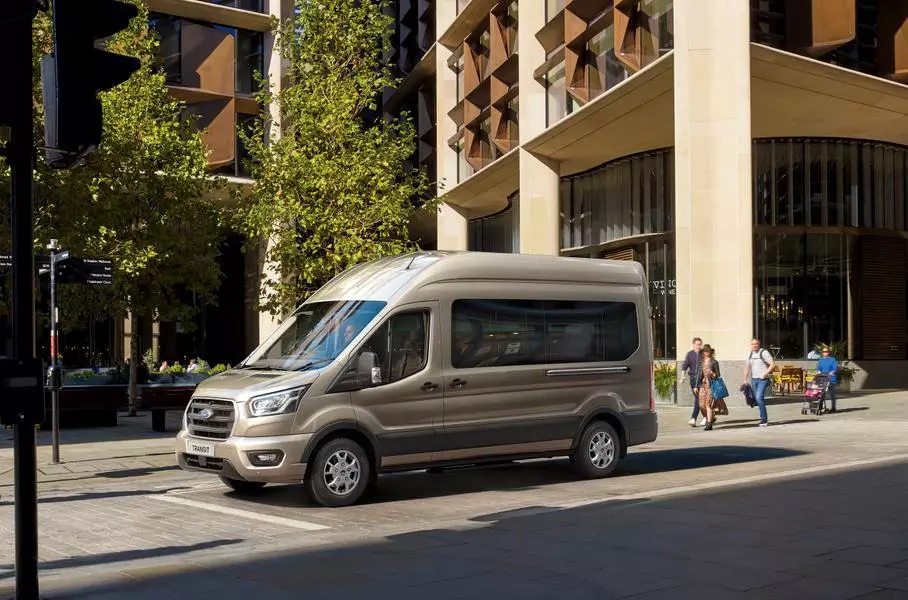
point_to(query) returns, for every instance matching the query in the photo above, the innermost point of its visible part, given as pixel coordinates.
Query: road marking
(697, 487)
(245, 514)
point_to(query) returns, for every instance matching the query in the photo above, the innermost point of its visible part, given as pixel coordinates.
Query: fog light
(266, 458)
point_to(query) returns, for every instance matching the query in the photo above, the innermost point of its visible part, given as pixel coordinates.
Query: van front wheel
(339, 474)
(598, 452)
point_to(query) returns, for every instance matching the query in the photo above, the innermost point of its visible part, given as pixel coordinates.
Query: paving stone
(870, 555)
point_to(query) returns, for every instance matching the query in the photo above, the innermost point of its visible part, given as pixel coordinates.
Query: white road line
(244, 514)
(657, 493)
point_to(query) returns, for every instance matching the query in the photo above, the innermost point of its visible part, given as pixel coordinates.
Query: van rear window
(491, 333)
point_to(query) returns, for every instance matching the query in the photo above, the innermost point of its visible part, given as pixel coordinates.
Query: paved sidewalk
(129, 447)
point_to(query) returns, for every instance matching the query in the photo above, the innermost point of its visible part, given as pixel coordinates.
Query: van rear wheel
(242, 487)
(598, 452)
(339, 474)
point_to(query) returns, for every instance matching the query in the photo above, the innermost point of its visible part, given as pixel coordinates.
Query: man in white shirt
(758, 374)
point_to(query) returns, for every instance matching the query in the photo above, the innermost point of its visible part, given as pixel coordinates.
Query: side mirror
(367, 370)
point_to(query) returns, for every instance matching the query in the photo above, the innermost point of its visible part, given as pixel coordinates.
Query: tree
(142, 199)
(332, 185)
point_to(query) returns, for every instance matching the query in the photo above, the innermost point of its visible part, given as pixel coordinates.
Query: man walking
(758, 374)
(691, 368)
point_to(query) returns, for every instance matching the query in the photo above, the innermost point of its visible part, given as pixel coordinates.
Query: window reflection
(497, 233)
(830, 182)
(802, 291)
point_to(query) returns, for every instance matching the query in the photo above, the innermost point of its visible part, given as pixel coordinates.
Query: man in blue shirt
(691, 368)
(828, 365)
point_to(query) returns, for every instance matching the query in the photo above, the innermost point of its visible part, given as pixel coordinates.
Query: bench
(160, 398)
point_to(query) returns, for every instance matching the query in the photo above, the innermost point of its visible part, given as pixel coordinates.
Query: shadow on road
(127, 555)
(77, 497)
(760, 542)
(516, 477)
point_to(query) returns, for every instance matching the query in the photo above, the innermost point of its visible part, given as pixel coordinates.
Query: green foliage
(142, 199)
(665, 375)
(176, 369)
(150, 359)
(218, 368)
(334, 188)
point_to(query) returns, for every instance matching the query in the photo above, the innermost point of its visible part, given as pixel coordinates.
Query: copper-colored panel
(627, 37)
(248, 105)
(470, 111)
(456, 114)
(817, 27)
(470, 69)
(893, 39)
(575, 74)
(588, 9)
(498, 89)
(504, 130)
(218, 119)
(574, 27)
(208, 59)
(552, 33)
(498, 43)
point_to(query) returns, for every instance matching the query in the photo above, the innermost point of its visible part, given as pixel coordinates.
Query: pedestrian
(758, 373)
(709, 370)
(828, 365)
(691, 368)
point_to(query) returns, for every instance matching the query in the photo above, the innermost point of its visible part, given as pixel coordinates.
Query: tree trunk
(133, 363)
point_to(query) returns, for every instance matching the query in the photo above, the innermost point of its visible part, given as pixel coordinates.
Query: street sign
(91, 271)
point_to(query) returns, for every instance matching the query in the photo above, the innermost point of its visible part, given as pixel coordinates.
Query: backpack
(760, 352)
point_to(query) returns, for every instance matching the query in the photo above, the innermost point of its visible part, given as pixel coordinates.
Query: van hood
(242, 384)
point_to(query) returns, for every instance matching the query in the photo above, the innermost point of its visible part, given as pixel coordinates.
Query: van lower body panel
(642, 427)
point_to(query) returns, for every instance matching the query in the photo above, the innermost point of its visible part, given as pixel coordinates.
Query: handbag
(718, 388)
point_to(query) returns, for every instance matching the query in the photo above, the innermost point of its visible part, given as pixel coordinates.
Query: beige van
(435, 359)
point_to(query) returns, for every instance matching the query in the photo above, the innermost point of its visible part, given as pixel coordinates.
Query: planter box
(92, 381)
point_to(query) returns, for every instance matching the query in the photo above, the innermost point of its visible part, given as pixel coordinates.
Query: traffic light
(77, 70)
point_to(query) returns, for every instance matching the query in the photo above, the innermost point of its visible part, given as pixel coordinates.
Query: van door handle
(458, 383)
(429, 386)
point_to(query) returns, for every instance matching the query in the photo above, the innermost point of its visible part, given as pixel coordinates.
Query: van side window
(400, 345)
(487, 333)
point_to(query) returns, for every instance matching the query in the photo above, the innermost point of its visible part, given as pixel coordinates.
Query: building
(751, 154)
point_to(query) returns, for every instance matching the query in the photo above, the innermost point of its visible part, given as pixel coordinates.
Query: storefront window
(802, 291)
(556, 95)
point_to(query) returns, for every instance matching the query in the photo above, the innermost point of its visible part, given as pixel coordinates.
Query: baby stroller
(815, 396)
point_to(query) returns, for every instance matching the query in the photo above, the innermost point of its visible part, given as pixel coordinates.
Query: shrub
(665, 375)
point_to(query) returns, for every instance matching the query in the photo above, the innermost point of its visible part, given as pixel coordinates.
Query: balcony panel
(817, 27)
(893, 40)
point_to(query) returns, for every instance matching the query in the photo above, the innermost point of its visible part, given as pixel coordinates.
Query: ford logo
(205, 414)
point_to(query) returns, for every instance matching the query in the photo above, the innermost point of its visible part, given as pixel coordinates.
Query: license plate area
(200, 448)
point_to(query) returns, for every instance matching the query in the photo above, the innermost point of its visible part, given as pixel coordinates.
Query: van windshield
(315, 335)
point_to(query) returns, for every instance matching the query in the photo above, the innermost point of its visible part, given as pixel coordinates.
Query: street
(807, 508)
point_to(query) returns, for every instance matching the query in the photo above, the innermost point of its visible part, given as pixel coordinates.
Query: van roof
(384, 278)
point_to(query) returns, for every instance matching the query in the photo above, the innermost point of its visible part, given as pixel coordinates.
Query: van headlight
(278, 403)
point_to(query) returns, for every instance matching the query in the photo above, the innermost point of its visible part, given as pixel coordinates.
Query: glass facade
(253, 5)
(624, 210)
(169, 32)
(815, 200)
(830, 183)
(499, 232)
(250, 59)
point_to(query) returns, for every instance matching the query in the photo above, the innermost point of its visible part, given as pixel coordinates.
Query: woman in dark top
(709, 370)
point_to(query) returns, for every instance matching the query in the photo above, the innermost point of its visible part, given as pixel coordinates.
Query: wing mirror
(368, 373)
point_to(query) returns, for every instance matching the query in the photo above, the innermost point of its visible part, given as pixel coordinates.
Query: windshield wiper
(312, 363)
(261, 367)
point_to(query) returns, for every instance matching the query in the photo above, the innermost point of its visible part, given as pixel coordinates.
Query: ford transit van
(435, 359)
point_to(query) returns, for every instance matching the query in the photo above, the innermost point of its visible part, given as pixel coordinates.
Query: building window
(767, 22)
(252, 5)
(605, 70)
(504, 333)
(499, 232)
(250, 59)
(658, 34)
(169, 31)
(830, 183)
(555, 95)
(552, 8)
(464, 168)
(802, 291)
(245, 123)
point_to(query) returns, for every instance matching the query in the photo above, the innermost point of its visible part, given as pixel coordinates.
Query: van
(435, 359)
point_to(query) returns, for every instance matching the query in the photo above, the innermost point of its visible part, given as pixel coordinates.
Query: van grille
(217, 426)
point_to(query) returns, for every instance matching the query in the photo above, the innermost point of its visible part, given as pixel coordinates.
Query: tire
(608, 443)
(339, 474)
(242, 487)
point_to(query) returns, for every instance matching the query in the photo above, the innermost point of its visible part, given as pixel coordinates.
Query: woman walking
(709, 370)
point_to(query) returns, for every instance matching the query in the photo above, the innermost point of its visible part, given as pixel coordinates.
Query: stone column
(539, 206)
(451, 221)
(713, 197)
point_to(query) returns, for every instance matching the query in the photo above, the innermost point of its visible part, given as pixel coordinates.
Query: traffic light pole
(54, 352)
(20, 157)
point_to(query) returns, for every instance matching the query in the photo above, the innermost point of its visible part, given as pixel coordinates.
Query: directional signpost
(66, 269)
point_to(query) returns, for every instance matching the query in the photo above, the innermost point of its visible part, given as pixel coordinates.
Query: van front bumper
(233, 457)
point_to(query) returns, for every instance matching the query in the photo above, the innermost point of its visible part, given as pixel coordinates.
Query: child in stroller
(815, 395)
